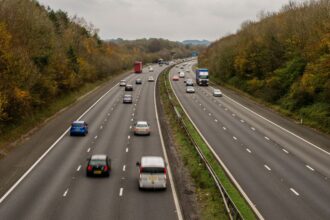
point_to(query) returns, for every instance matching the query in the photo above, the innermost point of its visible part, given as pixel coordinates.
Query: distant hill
(197, 42)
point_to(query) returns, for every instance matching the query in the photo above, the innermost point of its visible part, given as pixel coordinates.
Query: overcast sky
(169, 19)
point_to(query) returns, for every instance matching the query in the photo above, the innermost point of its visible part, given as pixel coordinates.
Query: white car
(217, 93)
(122, 83)
(181, 74)
(151, 69)
(151, 79)
(152, 173)
(141, 128)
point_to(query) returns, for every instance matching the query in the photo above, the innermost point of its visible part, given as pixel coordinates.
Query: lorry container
(137, 67)
(202, 77)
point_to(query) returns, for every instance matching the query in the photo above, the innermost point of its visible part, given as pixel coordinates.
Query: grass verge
(16, 131)
(199, 172)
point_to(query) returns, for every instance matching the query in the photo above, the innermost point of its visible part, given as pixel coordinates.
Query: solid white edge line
(121, 191)
(256, 211)
(50, 148)
(174, 193)
(273, 123)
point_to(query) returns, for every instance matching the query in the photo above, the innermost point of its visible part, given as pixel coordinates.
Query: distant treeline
(283, 59)
(45, 54)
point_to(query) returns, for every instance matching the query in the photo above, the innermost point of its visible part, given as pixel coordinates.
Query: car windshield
(152, 170)
(78, 125)
(127, 96)
(141, 125)
(97, 162)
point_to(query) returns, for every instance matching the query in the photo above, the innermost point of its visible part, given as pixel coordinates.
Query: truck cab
(202, 77)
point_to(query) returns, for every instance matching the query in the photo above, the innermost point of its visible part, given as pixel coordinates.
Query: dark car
(79, 128)
(128, 87)
(138, 81)
(127, 98)
(98, 165)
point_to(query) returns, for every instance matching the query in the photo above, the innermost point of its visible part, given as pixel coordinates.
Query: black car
(128, 87)
(138, 81)
(98, 165)
(127, 98)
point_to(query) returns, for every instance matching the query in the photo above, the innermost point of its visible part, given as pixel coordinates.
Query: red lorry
(137, 67)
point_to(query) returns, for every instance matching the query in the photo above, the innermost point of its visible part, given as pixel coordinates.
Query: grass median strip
(201, 174)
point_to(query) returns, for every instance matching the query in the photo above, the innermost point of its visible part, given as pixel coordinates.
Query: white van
(152, 172)
(181, 74)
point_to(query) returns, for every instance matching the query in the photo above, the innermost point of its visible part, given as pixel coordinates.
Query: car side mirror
(138, 164)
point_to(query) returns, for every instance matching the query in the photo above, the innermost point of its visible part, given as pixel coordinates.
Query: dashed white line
(132, 114)
(121, 192)
(226, 109)
(242, 121)
(294, 191)
(130, 127)
(132, 119)
(65, 193)
(101, 127)
(248, 150)
(204, 109)
(267, 138)
(235, 138)
(128, 137)
(309, 167)
(79, 167)
(224, 128)
(285, 151)
(89, 149)
(215, 120)
(253, 129)
(126, 149)
(124, 168)
(210, 114)
(267, 167)
(233, 115)
(95, 137)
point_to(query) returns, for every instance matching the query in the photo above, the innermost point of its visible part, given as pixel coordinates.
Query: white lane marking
(130, 127)
(248, 150)
(121, 192)
(95, 137)
(204, 109)
(51, 147)
(267, 167)
(252, 128)
(224, 128)
(89, 149)
(126, 149)
(242, 121)
(200, 104)
(108, 114)
(294, 191)
(133, 109)
(124, 168)
(132, 114)
(286, 130)
(65, 193)
(285, 151)
(101, 127)
(233, 115)
(235, 138)
(210, 114)
(215, 120)
(128, 137)
(105, 119)
(132, 119)
(226, 109)
(78, 167)
(267, 138)
(309, 167)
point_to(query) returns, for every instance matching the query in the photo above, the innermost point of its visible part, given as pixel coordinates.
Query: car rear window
(97, 162)
(78, 125)
(152, 170)
(141, 125)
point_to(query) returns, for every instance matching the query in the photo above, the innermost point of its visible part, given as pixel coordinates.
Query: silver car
(152, 173)
(217, 93)
(151, 79)
(141, 128)
(122, 83)
(190, 89)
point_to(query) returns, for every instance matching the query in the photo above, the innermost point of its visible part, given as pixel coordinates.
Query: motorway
(283, 175)
(56, 187)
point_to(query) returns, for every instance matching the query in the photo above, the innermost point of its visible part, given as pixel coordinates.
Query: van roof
(152, 161)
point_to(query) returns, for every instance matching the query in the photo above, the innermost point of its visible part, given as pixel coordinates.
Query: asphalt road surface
(284, 175)
(57, 186)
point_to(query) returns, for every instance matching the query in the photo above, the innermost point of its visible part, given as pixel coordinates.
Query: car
(122, 83)
(151, 69)
(152, 173)
(127, 98)
(138, 81)
(98, 165)
(189, 82)
(190, 89)
(79, 128)
(175, 78)
(217, 93)
(181, 67)
(151, 79)
(128, 87)
(141, 128)
(181, 74)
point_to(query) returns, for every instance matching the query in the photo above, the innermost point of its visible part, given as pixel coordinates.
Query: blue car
(78, 128)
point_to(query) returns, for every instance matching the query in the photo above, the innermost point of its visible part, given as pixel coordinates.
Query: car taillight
(164, 170)
(105, 168)
(89, 168)
(141, 169)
